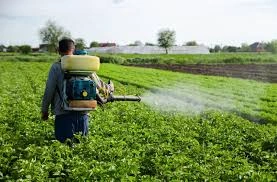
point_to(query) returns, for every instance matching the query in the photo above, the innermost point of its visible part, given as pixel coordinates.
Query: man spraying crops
(67, 122)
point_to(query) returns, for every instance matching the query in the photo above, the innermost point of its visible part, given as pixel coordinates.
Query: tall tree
(94, 44)
(217, 48)
(166, 39)
(80, 43)
(51, 34)
(271, 46)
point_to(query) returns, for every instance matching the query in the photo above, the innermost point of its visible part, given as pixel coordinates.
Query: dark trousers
(67, 125)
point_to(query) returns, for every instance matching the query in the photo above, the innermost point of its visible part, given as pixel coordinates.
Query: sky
(209, 22)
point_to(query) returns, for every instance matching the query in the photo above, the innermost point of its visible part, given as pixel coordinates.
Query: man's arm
(49, 92)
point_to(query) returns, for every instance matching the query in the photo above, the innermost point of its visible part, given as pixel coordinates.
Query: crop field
(260, 72)
(182, 59)
(187, 127)
(256, 66)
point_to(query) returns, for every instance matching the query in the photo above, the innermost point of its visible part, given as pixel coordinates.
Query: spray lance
(113, 98)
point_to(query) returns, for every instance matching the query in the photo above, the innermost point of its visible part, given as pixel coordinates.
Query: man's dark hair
(66, 44)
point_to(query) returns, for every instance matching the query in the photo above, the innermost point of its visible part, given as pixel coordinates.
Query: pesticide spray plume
(173, 100)
(195, 99)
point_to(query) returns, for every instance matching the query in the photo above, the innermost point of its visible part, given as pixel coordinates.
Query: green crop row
(216, 58)
(251, 98)
(138, 141)
(34, 57)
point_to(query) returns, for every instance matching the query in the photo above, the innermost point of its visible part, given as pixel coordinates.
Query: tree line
(255, 47)
(25, 49)
(51, 33)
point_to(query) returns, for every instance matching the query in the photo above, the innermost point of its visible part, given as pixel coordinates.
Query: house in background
(257, 47)
(43, 47)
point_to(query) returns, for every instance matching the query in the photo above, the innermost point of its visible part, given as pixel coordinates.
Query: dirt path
(260, 72)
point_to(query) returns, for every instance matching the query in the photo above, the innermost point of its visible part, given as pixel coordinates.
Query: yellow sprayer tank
(80, 63)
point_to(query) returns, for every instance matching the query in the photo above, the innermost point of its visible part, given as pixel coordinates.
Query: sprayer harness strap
(58, 90)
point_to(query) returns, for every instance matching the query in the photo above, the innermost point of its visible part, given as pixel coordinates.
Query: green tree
(51, 34)
(94, 44)
(217, 48)
(274, 46)
(245, 48)
(191, 43)
(271, 46)
(12, 48)
(2, 47)
(229, 49)
(25, 49)
(80, 43)
(166, 39)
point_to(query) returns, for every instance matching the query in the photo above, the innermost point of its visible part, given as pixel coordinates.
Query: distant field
(219, 58)
(222, 58)
(34, 57)
(260, 72)
(257, 66)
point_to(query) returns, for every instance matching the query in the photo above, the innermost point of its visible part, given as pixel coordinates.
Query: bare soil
(259, 72)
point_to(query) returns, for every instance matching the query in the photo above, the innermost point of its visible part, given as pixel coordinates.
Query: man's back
(54, 86)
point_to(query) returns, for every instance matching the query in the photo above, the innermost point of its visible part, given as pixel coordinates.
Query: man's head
(66, 46)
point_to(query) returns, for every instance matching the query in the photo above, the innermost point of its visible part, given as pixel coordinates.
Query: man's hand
(44, 116)
(111, 85)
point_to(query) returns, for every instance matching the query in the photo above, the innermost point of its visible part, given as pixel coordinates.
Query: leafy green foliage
(238, 58)
(245, 47)
(271, 46)
(225, 58)
(12, 48)
(249, 99)
(132, 141)
(94, 44)
(111, 59)
(2, 48)
(80, 43)
(34, 57)
(166, 39)
(51, 33)
(25, 49)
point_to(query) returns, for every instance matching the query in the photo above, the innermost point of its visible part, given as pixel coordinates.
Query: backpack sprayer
(80, 91)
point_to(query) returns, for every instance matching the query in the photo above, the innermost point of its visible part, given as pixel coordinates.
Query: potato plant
(139, 142)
